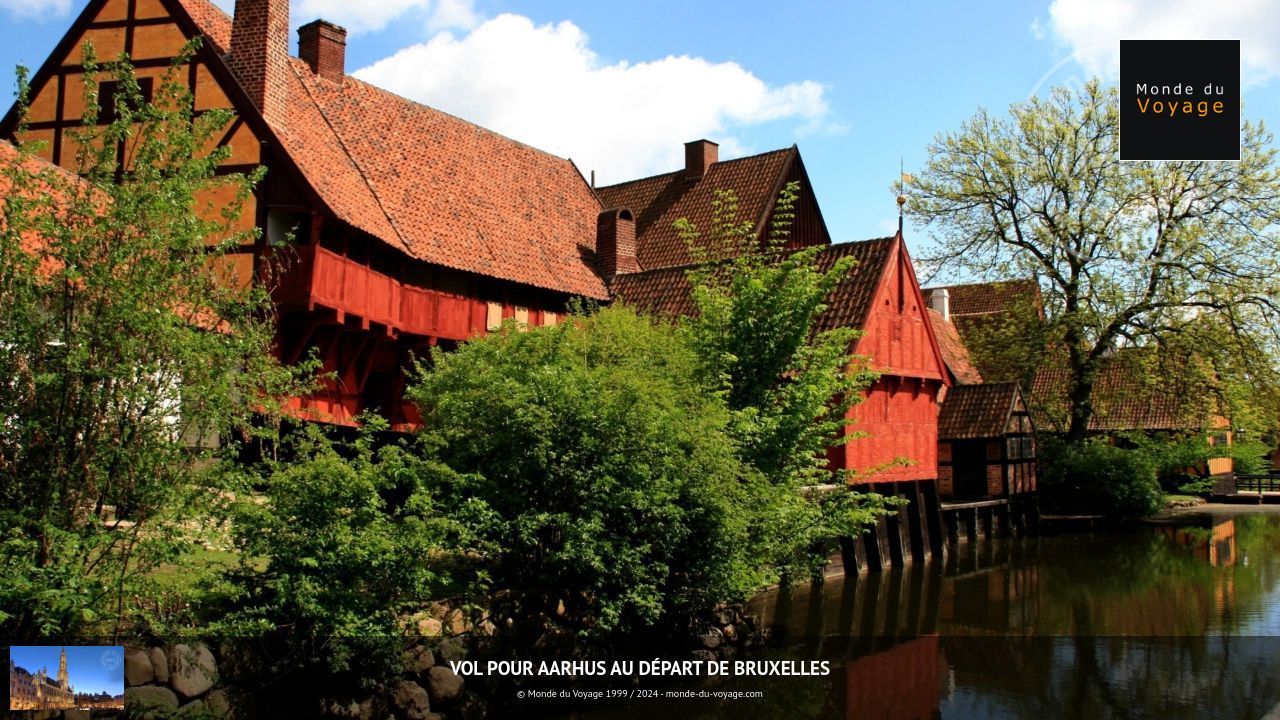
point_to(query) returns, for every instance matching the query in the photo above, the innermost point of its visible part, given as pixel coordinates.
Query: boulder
(218, 702)
(159, 664)
(444, 684)
(137, 667)
(192, 670)
(195, 707)
(412, 700)
(138, 700)
(418, 660)
(712, 638)
(451, 649)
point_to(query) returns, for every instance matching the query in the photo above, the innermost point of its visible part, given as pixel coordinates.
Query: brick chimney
(699, 155)
(260, 55)
(323, 46)
(616, 243)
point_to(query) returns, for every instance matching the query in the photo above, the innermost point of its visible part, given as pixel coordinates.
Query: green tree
(124, 355)
(788, 384)
(344, 543)
(1127, 252)
(594, 471)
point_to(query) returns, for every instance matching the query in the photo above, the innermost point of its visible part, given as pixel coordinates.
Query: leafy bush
(337, 551)
(1098, 478)
(593, 469)
(1251, 457)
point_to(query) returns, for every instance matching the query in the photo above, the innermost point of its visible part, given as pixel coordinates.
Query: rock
(445, 685)
(137, 667)
(218, 702)
(451, 649)
(704, 655)
(159, 664)
(195, 707)
(149, 697)
(712, 639)
(75, 715)
(430, 627)
(192, 669)
(411, 699)
(418, 660)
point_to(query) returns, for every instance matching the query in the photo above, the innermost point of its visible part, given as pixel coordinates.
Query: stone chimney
(323, 46)
(699, 155)
(940, 300)
(616, 243)
(259, 55)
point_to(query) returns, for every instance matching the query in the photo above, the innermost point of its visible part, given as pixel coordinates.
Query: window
(108, 90)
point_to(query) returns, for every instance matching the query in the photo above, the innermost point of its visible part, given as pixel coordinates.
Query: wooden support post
(971, 524)
(853, 556)
(893, 537)
(917, 525)
(933, 517)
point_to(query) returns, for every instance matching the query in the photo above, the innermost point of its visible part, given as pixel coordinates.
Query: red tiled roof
(1124, 399)
(954, 352)
(666, 291)
(659, 201)
(440, 189)
(972, 412)
(988, 298)
(212, 21)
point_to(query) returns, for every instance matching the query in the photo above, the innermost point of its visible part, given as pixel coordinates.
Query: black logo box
(1186, 69)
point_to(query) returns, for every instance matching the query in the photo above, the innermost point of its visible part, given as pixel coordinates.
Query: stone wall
(180, 680)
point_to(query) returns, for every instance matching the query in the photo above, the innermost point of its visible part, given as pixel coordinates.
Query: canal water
(1172, 621)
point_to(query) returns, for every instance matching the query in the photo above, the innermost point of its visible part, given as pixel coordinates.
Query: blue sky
(858, 86)
(90, 669)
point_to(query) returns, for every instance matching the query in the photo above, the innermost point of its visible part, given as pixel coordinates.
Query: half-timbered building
(403, 227)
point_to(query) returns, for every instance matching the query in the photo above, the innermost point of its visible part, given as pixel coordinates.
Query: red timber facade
(377, 268)
(899, 414)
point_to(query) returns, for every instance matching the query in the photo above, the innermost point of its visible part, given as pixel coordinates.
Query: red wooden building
(881, 296)
(410, 227)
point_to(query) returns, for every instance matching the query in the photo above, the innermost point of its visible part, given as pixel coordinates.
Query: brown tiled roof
(988, 298)
(850, 302)
(954, 352)
(660, 200)
(972, 412)
(1123, 399)
(666, 291)
(441, 189)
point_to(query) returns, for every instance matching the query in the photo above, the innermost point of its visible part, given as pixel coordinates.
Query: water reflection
(1171, 622)
(1166, 622)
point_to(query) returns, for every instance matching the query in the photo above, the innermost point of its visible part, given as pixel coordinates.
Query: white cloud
(1092, 29)
(545, 86)
(35, 9)
(453, 14)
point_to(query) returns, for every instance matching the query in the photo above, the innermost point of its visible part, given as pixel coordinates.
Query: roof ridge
(677, 172)
(354, 163)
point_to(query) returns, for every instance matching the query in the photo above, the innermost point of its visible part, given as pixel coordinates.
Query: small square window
(107, 92)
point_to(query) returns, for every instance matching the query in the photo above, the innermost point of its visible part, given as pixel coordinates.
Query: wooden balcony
(315, 278)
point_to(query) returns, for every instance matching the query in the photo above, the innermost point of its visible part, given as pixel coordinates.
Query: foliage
(348, 533)
(1126, 253)
(1250, 457)
(122, 345)
(1096, 477)
(593, 469)
(788, 385)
